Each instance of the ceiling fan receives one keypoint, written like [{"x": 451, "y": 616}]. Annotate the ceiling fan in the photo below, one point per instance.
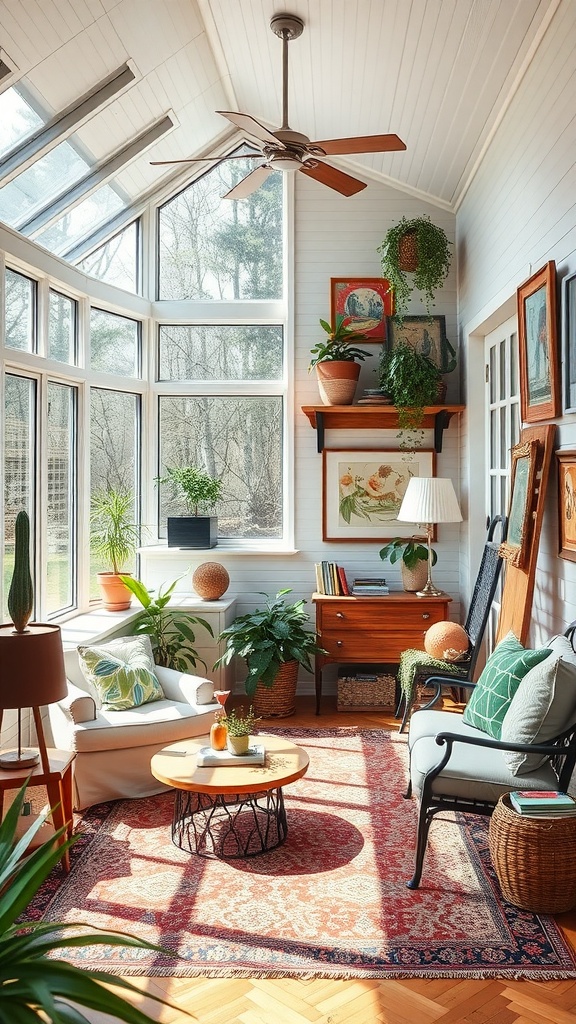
[{"x": 287, "y": 150}]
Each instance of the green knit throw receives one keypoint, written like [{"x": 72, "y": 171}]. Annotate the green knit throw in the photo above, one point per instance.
[{"x": 411, "y": 661}]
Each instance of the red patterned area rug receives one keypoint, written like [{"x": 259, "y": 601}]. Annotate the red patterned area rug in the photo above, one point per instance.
[{"x": 331, "y": 902}]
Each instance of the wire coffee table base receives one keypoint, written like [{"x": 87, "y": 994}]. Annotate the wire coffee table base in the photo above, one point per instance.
[{"x": 234, "y": 825}]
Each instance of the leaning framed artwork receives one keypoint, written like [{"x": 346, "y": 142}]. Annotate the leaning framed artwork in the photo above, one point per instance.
[
  {"x": 362, "y": 491},
  {"x": 426, "y": 334},
  {"x": 366, "y": 301},
  {"x": 522, "y": 495},
  {"x": 569, "y": 343},
  {"x": 567, "y": 503},
  {"x": 537, "y": 338}
]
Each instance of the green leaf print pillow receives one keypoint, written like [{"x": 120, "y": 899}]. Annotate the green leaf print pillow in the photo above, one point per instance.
[{"x": 122, "y": 672}]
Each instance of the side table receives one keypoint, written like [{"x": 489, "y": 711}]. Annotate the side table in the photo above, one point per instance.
[
  {"x": 58, "y": 783},
  {"x": 533, "y": 858}
]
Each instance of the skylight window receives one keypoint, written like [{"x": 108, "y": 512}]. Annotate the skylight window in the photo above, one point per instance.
[
  {"x": 38, "y": 184},
  {"x": 81, "y": 221},
  {"x": 18, "y": 119}
]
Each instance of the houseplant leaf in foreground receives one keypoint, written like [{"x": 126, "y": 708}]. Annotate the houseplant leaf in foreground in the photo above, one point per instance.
[{"x": 34, "y": 987}]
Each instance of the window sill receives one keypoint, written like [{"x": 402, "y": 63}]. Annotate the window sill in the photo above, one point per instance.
[{"x": 268, "y": 548}]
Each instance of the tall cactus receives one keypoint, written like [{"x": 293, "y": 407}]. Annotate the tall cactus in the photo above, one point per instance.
[{"x": 21, "y": 593}]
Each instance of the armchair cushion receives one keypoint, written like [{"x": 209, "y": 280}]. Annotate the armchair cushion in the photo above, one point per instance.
[
  {"x": 122, "y": 672},
  {"x": 78, "y": 706},
  {"x": 543, "y": 706},
  {"x": 498, "y": 682},
  {"x": 180, "y": 686}
]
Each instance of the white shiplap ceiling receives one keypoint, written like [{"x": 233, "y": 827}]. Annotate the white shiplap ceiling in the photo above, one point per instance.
[{"x": 439, "y": 73}]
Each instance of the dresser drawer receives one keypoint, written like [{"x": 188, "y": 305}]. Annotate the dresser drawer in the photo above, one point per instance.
[
  {"x": 378, "y": 615},
  {"x": 370, "y": 646}
]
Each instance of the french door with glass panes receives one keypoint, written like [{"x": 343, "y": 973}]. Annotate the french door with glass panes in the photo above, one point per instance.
[{"x": 502, "y": 429}]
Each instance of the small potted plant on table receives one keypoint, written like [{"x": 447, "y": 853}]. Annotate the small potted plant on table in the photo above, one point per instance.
[
  {"x": 337, "y": 362},
  {"x": 414, "y": 555},
  {"x": 113, "y": 538},
  {"x": 199, "y": 491},
  {"x": 273, "y": 642},
  {"x": 239, "y": 724}
]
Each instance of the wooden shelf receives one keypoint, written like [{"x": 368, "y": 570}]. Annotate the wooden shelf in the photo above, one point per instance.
[{"x": 379, "y": 417}]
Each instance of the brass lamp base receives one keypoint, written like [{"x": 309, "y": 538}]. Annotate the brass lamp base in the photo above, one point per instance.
[
  {"x": 429, "y": 591},
  {"x": 12, "y": 759}
]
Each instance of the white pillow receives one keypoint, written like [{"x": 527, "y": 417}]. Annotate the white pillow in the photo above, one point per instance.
[{"x": 543, "y": 706}]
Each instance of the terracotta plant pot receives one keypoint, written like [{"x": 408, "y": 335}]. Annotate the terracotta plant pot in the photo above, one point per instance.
[
  {"x": 115, "y": 594},
  {"x": 414, "y": 579},
  {"x": 337, "y": 380}
]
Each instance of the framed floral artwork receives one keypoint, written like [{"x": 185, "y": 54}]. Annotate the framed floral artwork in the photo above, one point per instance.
[
  {"x": 567, "y": 502},
  {"x": 366, "y": 301},
  {"x": 537, "y": 338},
  {"x": 362, "y": 491},
  {"x": 522, "y": 497}
]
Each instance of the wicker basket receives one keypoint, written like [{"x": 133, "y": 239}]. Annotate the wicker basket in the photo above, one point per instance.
[
  {"x": 278, "y": 700},
  {"x": 534, "y": 859},
  {"x": 356, "y": 693},
  {"x": 408, "y": 252}
]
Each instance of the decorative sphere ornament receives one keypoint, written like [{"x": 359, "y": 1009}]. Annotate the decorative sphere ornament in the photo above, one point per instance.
[
  {"x": 447, "y": 641},
  {"x": 210, "y": 580}
]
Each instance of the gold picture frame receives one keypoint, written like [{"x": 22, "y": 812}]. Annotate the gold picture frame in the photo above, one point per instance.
[{"x": 520, "y": 509}]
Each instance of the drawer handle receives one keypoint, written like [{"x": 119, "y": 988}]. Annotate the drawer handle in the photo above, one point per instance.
[
  {"x": 339, "y": 643},
  {"x": 425, "y": 615},
  {"x": 340, "y": 615}
]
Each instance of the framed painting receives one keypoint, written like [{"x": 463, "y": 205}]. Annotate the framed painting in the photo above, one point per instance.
[
  {"x": 362, "y": 492},
  {"x": 537, "y": 339},
  {"x": 367, "y": 301},
  {"x": 427, "y": 334},
  {"x": 567, "y": 503},
  {"x": 522, "y": 495},
  {"x": 569, "y": 343}
]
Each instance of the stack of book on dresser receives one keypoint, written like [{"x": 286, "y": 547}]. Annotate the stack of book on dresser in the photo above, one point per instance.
[
  {"x": 331, "y": 579},
  {"x": 366, "y": 586},
  {"x": 543, "y": 803}
]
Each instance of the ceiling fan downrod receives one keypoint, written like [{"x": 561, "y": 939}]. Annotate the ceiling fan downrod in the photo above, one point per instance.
[{"x": 286, "y": 27}]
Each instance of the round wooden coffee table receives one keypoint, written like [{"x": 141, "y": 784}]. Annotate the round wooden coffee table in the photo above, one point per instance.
[{"x": 229, "y": 811}]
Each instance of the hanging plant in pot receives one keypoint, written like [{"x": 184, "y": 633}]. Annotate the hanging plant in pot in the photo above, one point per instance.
[
  {"x": 414, "y": 564},
  {"x": 412, "y": 380},
  {"x": 114, "y": 539},
  {"x": 200, "y": 493},
  {"x": 419, "y": 247},
  {"x": 337, "y": 362},
  {"x": 273, "y": 642}
]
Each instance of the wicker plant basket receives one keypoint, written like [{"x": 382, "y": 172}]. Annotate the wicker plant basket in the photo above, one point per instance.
[
  {"x": 408, "y": 252},
  {"x": 534, "y": 859},
  {"x": 278, "y": 700}
]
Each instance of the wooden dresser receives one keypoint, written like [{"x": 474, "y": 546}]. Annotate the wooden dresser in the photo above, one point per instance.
[{"x": 371, "y": 630}]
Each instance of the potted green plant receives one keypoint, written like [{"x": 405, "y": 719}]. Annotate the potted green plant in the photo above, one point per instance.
[
  {"x": 239, "y": 724},
  {"x": 337, "y": 362},
  {"x": 414, "y": 555},
  {"x": 200, "y": 493},
  {"x": 412, "y": 380},
  {"x": 273, "y": 641},
  {"x": 35, "y": 986},
  {"x": 419, "y": 247},
  {"x": 114, "y": 538},
  {"x": 170, "y": 629}
]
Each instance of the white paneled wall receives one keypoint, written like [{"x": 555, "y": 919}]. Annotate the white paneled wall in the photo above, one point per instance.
[{"x": 519, "y": 212}]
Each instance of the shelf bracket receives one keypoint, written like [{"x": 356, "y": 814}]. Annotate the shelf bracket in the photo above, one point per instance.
[
  {"x": 319, "y": 431},
  {"x": 441, "y": 421}
]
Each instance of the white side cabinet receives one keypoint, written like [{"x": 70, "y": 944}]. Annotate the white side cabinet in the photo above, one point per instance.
[{"x": 219, "y": 615}]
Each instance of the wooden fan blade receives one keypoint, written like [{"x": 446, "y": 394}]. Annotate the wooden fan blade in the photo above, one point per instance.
[
  {"x": 249, "y": 184},
  {"x": 250, "y": 126},
  {"x": 334, "y": 178},
  {"x": 207, "y": 159},
  {"x": 361, "y": 144}
]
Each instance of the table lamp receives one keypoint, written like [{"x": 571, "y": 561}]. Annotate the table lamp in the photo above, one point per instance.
[
  {"x": 429, "y": 500},
  {"x": 32, "y": 674}
]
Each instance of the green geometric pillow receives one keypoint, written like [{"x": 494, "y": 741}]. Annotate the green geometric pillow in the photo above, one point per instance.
[
  {"x": 498, "y": 682},
  {"x": 122, "y": 672}
]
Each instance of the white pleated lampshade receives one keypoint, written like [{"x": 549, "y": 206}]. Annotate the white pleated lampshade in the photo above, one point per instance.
[{"x": 430, "y": 500}]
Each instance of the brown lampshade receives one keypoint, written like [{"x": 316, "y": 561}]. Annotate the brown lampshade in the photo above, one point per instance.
[{"x": 32, "y": 669}]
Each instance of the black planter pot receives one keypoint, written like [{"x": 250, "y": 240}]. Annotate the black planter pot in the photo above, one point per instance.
[{"x": 192, "y": 531}]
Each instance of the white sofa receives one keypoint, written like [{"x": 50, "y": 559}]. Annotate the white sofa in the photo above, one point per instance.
[{"x": 113, "y": 748}]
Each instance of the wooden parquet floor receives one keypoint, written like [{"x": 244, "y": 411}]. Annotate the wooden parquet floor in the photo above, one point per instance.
[{"x": 322, "y": 1001}]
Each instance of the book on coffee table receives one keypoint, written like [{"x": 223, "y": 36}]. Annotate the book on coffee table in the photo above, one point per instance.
[{"x": 207, "y": 757}]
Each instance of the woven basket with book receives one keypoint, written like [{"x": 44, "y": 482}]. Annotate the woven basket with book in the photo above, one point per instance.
[{"x": 364, "y": 691}]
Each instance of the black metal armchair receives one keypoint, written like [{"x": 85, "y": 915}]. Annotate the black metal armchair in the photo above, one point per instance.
[{"x": 416, "y": 667}]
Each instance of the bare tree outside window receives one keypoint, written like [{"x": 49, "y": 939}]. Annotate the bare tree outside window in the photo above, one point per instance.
[
  {"x": 20, "y": 310},
  {"x": 117, "y": 260}
]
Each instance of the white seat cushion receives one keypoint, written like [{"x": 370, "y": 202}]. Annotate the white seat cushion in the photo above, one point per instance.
[
  {"x": 161, "y": 722},
  {"x": 430, "y": 723}
]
